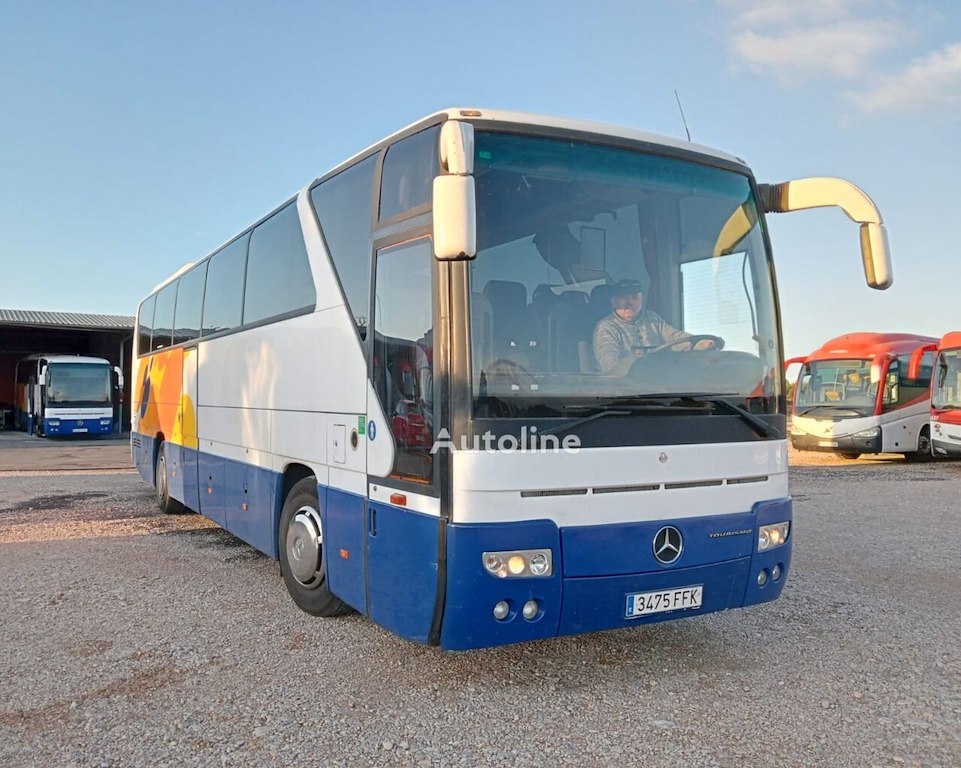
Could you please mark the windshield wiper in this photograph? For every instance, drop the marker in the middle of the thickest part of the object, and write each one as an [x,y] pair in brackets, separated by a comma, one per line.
[757,424]
[583,420]
[760,426]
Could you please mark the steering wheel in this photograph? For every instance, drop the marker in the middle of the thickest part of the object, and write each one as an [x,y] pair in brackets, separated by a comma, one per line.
[691,342]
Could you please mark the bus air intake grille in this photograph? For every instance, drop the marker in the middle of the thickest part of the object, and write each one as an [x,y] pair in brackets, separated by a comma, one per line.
[692,484]
[556,492]
[739,480]
[626,488]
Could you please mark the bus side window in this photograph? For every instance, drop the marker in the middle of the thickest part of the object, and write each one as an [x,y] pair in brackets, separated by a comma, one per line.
[279,280]
[145,324]
[343,206]
[163,323]
[224,295]
[408,175]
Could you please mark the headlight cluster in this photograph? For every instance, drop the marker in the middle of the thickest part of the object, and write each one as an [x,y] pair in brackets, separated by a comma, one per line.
[519,563]
[773,535]
[868,433]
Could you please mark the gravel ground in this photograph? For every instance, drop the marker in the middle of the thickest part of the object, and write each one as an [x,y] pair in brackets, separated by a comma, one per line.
[129,638]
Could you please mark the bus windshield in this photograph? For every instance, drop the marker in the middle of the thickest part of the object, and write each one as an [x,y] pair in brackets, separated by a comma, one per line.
[842,386]
[947,390]
[78,384]
[604,280]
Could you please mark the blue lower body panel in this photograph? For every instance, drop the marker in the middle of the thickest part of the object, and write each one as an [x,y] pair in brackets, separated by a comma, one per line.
[596,570]
[56,427]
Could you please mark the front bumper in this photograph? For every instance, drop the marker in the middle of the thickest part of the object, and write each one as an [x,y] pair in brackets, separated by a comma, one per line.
[596,568]
[837,443]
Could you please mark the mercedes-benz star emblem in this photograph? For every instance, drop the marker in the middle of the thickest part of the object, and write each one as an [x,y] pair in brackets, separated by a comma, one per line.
[668,544]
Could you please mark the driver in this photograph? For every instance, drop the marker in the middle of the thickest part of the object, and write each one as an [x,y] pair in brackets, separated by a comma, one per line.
[624,336]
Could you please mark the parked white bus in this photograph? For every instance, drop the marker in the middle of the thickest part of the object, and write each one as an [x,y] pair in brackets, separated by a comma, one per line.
[391,383]
[65,395]
[859,393]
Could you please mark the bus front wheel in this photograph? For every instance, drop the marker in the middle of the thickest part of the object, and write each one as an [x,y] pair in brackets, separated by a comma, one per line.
[168,505]
[302,552]
[924,452]
[850,456]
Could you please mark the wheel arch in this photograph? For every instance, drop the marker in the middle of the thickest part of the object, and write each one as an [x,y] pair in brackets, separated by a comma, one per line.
[293,473]
[158,440]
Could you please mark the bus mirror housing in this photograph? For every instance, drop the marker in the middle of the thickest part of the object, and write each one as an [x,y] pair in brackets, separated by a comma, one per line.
[116,369]
[876,367]
[455,212]
[793,361]
[44,376]
[455,218]
[457,148]
[914,369]
[821,192]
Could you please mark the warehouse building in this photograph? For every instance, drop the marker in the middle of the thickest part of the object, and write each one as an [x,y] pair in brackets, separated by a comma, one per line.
[27,332]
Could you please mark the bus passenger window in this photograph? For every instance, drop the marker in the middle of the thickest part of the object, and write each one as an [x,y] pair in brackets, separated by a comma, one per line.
[224,297]
[163,319]
[408,176]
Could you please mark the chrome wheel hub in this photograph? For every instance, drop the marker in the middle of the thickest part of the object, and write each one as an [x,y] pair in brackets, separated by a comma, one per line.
[304,545]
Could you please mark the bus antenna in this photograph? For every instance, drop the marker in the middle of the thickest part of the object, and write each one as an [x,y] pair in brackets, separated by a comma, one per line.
[683,119]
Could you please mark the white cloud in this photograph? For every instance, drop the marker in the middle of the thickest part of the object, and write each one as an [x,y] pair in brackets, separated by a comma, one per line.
[932,80]
[843,49]
[756,13]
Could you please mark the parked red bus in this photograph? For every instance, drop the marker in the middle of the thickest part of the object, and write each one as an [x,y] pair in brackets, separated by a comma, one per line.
[945,411]
[859,393]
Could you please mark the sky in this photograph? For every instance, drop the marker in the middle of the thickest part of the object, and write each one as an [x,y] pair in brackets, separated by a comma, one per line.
[137,137]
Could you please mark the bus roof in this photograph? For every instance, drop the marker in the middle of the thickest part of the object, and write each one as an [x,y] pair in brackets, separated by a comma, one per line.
[868,345]
[470,114]
[69,359]
[950,340]
[473,114]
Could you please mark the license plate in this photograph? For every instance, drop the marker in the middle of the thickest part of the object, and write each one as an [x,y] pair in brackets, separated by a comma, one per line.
[828,443]
[646,603]
[80,429]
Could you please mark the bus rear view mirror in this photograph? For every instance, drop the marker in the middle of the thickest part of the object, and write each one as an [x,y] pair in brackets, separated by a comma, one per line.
[821,192]
[455,219]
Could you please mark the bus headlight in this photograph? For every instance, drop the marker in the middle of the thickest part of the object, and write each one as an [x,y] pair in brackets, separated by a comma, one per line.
[519,563]
[773,535]
[868,433]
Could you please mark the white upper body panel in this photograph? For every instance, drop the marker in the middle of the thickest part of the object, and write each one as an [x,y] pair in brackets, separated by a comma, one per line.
[613,485]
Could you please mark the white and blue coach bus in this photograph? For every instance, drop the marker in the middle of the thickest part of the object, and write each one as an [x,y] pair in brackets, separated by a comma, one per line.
[65,395]
[390,383]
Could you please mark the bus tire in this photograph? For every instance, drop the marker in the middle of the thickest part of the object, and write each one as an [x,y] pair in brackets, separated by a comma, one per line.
[925,452]
[168,505]
[300,542]
[850,456]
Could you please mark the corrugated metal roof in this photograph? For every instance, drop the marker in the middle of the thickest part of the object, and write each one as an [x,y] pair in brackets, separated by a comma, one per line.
[37,319]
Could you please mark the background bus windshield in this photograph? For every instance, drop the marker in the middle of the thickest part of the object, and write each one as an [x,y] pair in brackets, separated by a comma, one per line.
[566,232]
[78,384]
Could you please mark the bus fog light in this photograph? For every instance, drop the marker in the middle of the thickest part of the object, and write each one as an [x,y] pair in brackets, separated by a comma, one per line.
[771,536]
[502,609]
[531,609]
[776,572]
[762,577]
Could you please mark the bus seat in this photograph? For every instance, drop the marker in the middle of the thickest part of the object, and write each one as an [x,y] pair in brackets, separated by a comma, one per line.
[511,326]
[482,330]
[599,304]
[569,324]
